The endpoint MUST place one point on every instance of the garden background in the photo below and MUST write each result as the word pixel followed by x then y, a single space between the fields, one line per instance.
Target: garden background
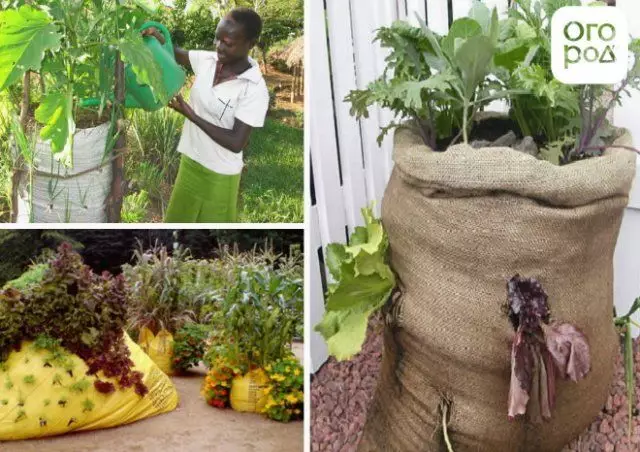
pixel 213 310
pixel 272 182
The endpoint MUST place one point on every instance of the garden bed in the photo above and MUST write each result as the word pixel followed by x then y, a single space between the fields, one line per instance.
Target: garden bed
pixel 341 392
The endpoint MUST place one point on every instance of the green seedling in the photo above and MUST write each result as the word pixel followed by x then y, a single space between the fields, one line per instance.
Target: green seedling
pixel 80 386
pixel 87 405
pixel 21 416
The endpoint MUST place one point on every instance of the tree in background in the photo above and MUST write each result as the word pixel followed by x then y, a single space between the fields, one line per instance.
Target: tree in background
pixel 195 27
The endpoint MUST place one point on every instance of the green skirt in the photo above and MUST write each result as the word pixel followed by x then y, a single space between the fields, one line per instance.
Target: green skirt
pixel 202 196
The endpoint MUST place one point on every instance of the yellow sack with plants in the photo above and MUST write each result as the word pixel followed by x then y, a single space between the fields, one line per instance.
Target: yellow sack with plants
pixel 158 347
pixel 47 393
pixel 248 392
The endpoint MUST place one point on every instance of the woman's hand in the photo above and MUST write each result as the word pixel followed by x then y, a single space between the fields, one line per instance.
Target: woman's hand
pixel 181 106
pixel 153 31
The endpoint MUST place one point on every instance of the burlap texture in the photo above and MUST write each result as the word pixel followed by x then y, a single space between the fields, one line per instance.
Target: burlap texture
pixel 460 224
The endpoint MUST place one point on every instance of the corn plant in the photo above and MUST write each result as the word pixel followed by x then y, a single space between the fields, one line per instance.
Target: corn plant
pixel 257 319
pixel 72 45
pixel 158 298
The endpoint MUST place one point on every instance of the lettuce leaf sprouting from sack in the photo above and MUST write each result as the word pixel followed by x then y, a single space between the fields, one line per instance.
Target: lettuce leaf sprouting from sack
pixel 363 283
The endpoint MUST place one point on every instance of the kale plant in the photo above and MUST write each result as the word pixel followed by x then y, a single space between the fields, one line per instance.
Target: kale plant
pixel 436 83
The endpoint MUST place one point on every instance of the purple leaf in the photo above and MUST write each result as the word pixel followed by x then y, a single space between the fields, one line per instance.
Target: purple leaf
pixel 550 371
pixel 527 303
pixel 520 376
pixel 569 349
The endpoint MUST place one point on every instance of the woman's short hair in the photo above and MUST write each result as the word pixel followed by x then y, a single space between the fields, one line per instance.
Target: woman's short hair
pixel 250 21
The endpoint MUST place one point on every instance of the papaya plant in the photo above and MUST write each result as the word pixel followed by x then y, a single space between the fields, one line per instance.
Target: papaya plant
pixel 72 45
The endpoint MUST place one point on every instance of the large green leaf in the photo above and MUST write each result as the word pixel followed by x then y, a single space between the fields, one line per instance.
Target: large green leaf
pixel 144 65
pixel 460 30
pixel 412 90
pixel 364 282
pixel 149 6
pixel 473 58
pixel 56 113
pixel 25 34
pixel 360 292
pixel 344 331
pixel 482 15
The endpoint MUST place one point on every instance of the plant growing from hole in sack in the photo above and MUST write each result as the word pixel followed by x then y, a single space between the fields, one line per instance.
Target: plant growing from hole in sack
pixel 85 314
pixel 363 282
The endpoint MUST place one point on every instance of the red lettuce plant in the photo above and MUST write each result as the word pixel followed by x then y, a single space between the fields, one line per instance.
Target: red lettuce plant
pixel 85 312
pixel 541 350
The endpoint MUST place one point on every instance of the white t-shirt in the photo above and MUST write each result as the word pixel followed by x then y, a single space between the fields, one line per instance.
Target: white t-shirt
pixel 245 98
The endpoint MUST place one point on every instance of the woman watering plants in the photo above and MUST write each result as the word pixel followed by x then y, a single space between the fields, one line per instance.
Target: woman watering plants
pixel 228 98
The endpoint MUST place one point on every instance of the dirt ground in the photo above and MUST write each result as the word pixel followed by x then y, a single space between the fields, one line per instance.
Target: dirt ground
pixel 192 427
pixel 282 82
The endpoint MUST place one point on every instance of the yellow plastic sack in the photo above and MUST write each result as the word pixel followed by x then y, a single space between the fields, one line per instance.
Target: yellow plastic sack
pixel 159 348
pixel 32 406
pixel 247 393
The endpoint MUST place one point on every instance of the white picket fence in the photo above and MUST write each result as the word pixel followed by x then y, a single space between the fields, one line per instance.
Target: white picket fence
pixel 349 169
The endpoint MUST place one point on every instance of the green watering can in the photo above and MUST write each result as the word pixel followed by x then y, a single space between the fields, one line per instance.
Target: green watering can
pixel 173 76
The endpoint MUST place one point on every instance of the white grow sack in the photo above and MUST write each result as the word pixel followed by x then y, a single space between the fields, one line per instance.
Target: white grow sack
pixel 61 197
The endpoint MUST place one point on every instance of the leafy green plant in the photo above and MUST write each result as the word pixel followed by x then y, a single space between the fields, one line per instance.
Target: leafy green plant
pixel 87 405
pixel 547 107
pixel 85 314
pixel 255 319
pixel 72 45
pixel 437 83
pixel 80 386
pixel 570 119
pixel 285 392
pixel 134 207
pixel 190 345
pixel 363 282
pixel 154 138
pixel 30 278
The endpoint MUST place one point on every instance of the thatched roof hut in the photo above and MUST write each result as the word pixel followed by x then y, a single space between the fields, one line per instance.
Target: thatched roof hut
pixel 292 54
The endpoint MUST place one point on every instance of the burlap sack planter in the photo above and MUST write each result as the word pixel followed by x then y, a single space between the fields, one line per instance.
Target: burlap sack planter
pixel 460 224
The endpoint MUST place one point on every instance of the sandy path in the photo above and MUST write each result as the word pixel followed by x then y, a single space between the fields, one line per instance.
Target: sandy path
pixel 192 427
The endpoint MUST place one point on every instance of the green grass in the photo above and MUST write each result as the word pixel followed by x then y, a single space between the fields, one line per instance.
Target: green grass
pixel 271 190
